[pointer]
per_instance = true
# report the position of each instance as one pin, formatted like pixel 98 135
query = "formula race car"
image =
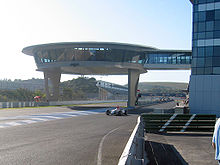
pixel 117 111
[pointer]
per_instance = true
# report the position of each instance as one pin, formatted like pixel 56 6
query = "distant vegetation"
pixel 76 89
pixel 162 88
pixel 20 95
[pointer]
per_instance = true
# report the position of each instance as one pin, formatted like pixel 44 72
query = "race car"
pixel 117 111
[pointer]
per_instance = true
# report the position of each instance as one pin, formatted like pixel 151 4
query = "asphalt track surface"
pixel 62 136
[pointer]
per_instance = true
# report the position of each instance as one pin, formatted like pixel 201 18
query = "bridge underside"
pixel 53 73
pixel 93 67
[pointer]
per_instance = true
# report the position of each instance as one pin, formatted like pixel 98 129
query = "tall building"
pixel 205 77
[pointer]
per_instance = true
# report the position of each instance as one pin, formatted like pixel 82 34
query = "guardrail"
pixel 21 104
pixel 134 152
pixel 179 122
pixel 53 103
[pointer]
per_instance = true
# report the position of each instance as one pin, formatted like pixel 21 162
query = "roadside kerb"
pixel 133 153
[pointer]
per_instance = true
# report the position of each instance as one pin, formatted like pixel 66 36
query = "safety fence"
pixel 179 122
pixel 54 103
pixel 21 104
pixel 134 152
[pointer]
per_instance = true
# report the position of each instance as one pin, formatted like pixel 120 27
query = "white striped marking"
pixel 13 123
pixel 44 117
pixel 99 159
pixel 28 121
pixel 38 118
pixel 168 122
pixel 187 124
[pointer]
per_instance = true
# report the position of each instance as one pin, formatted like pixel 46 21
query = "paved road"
pixel 46 136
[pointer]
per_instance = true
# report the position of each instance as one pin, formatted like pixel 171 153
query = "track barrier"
pixel 53 103
pixel 133 153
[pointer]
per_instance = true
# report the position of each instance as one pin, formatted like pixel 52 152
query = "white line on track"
pixel 99 160
pixel 23 120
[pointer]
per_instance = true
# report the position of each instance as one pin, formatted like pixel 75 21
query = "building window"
pixel 216 51
pixel 201 35
pixel 217 14
pixel 201 26
pixel 209 26
pixel 210 15
pixel 216 34
pixel 202 16
pixel 201 52
pixel 209 51
pixel 217 25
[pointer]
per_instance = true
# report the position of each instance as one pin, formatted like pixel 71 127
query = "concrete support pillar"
pixel 54 77
pixel 133 79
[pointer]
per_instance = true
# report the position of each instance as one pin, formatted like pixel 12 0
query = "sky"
pixel 164 24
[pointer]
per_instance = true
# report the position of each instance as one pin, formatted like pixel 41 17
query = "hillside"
pixel 148 86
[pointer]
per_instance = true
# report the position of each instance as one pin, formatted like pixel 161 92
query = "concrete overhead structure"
pixel 103 58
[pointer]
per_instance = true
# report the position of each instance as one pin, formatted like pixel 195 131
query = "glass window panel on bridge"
pixel 89 54
pixel 168 58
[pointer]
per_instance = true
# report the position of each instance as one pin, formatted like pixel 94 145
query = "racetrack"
pixel 92 138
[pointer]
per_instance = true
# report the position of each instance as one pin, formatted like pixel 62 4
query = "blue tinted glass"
pixel 195 8
pixel 209 26
pixel 200 71
pixel 208 62
pixel 216 61
pixel 217 25
pixel 217 34
pixel 209 51
pixel 195 27
pixel 217 14
pixel 216 51
pixel 193 71
pixel 195 43
pixel 208 70
pixel 200 62
pixel 201 35
pixel 210 15
pixel 195 17
pixel 209 35
pixel 201 26
pixel 195 36
pixel 201 52
pixel 201 1
pixel 194 52
pixel 202 16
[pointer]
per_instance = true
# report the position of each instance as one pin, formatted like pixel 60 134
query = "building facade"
pixel 205 76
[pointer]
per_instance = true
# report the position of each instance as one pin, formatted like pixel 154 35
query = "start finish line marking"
pixel 168 122
pixel 29 119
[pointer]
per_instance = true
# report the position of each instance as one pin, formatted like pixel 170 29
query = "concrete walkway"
pixel 180 148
